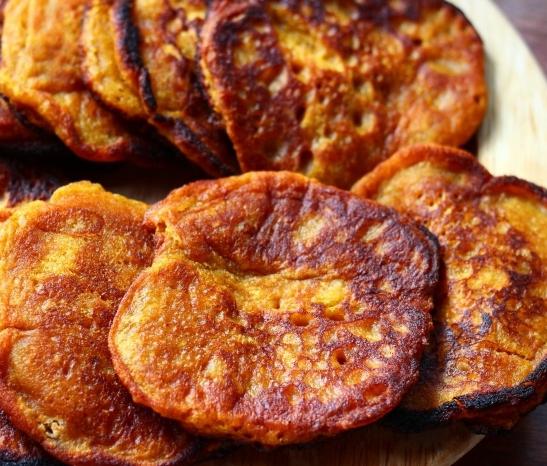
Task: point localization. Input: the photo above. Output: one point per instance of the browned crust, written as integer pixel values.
(132, 424)
(485, 412)
(284, 130)
(125, 143)
(211, 150)
(446, 157)
(271, 419)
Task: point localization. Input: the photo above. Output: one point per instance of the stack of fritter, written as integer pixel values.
(328, 89)
(264, 308)
(487, 362)
(277, 322)
(272, 309)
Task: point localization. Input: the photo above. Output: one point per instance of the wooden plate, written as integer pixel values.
(512, 142)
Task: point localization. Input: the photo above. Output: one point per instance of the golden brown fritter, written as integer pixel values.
(41, 75)
(276, 310)
(64, 267)
(15, 447)
(332, 88)
(488, 363)
(140, 60)
(15, 135)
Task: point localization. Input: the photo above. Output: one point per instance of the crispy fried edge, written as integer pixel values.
(223, 9)
(128, 44)
(123, 371)
(200, 449)
(472, 409)
(8, 458)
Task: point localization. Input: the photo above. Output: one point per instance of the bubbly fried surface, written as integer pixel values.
(41, 74)
(332, 88)
(140, 59)
(488, 363)
(276, 310)
(64, 267)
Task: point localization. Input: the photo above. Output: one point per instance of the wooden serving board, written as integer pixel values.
(513, 141)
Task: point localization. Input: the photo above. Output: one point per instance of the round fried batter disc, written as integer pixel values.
(41, 75)
(488, 364)
(332, 88)
(276, 310)
(140, 59)
(15, 447)
(64, 267)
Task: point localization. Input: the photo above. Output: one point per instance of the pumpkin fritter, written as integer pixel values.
(15, 135)
(140, 60)
(15, 447)
(276, 310)
(332, 88)
(64, 266)
(488, 362)
(41, 75)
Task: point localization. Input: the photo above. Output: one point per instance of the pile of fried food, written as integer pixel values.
(271, 307)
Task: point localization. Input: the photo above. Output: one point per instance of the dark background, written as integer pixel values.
(527, 444)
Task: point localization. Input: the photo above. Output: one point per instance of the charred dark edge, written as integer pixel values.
(512, 184)
(436, 262)
(40, 133)
(535, 385)
(185, 133)
(129, 43)
(461, 13)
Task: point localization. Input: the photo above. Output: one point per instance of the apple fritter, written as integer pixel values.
(332, 88)
(488, 362)
(64, 266)
(140, 59)
(277, 310)
(41, 75)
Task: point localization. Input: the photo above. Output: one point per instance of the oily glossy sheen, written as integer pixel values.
(332, 88)
(139, 57)
(16, 448)
(64, 267)
(276, 310)
(488, 361)
(41, 74)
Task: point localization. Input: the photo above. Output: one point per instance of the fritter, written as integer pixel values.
(488, 362)
(64, 267)
(140, 60)
(276, 310)
(332, 88)
(41, 75)
(15, 447)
